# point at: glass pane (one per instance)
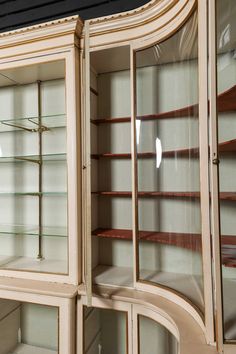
(155, 338)
(105, 331)
(28, 328)
(33, 162)
(111, 167)
(226, 67)
(168, 164)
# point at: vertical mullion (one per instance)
(87, 169)
(204, 172)
(135, 329)
(214, 170)
(40, 182)
(134, 165)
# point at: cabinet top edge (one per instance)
(53, 34)
(155, 21)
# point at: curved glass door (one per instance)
(167, 142)
(226, 104)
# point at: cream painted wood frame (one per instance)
(223, 347)
(189, 335)
(86, 176)
(214, 171)
(154, 21)
(141, 28)
(58, 40)
(132, 311)
(208, 323)
(60, 296)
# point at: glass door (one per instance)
(226, 108)
(28, 328)
(168, 169)
(33, 162)
(105, 331)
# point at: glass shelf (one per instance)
(33, 230)
(33, 158)
(32, 194)
(31, 123)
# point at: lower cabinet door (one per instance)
(105, 331)
(124, 328)
(27, 328)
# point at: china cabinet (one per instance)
(117, 144)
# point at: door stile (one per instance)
(214, 173)
(87, 170)
(134, 166)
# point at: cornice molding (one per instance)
(55, 28)
(135, 16)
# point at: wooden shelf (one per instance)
(224, 148)
(228, 245)
(111, 120)
(229, 196)
(227, 146)
(188, 241)
(226, 103)
(227, 100)
(183, 240)
(94, 91)
(127, 194)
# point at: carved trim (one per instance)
(136, 11)
(142, 15)
(69, 28)
(43, 25)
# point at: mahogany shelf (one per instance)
(148, 194)
(188, 241)
(94, 91)
(228, 245)
(228, 196)
(224, 148)
(226, 103)
(183, 240)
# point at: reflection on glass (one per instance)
(226, 69)
(28, 328)
(155, 338)
(168, 164)
(109, 331)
